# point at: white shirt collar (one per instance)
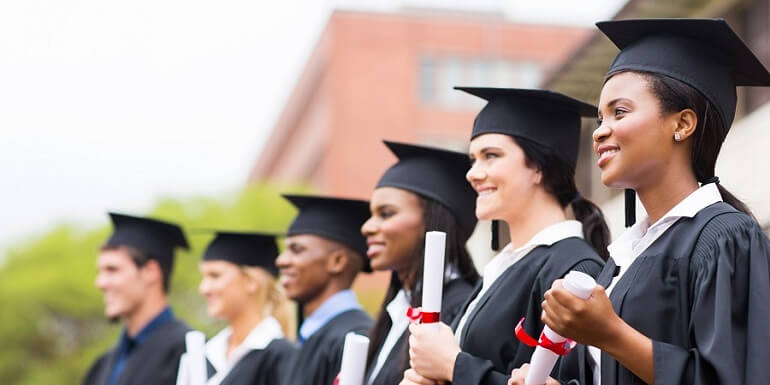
(397, 307)
(258, 339)
(556, 232)
(688, 207)
(699, 199)
(545, 237)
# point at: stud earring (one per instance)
(677, 137)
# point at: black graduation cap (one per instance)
(547, 118)
(246, 249)
(703, 53)
(434, 173)
(334, 218)
(706, 54)
(156, 238)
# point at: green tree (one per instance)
(51, 321)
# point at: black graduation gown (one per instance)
(701, 292)
(154, 362)
(319, 359)
(490, 349)
(454, 295)
(267, 366)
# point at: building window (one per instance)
(427, 79)
(438, 76)
(450, 75)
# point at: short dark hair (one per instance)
(558, 179)
(140, 258)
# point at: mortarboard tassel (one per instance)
(630, 207)
(300, 319)
(495, 235)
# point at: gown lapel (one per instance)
(484, 299)
(464, 308)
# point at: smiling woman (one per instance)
(423, 191)
(637, 153)
(239, 284)
(523, 151)
(686, 298)
(396, 226)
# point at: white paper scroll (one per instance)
(579, 284)
(195, 358)
(353, 365)
(433, 274)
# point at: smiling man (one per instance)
(324, 252)
(134, 267)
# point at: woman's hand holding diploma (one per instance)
(432, 353)
(593, 322)
(589, 321)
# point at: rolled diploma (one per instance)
(353, 359)
(183, 373)
(579, 284)
(433, 274)
(195, 357)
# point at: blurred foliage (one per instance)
(51, 321)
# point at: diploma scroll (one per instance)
(195, 358)
(579, 284)
(353, 359)
(433, 278)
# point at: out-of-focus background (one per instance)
(203, 112)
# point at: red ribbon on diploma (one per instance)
(560, 348)
(416, 315)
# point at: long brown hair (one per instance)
(558, 179)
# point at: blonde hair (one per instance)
(272, 298)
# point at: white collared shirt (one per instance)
(634, 241)
(397, 311)
(258, 339)
(509, 256)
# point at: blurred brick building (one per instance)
(390, 76)
(375, 76)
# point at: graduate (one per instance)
(324, 253)
(524, 148)
(685, 297)
(239, 282)
(424, 191)
(134, 268)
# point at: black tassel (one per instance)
(495, 235)
(300, 316)
(630, 207)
